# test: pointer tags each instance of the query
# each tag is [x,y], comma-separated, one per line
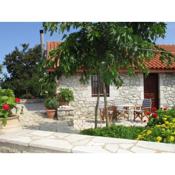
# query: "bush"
[51,103]
[170,112]
[65,95]
[156,118]
[7,103]
[164,132]
[116,131]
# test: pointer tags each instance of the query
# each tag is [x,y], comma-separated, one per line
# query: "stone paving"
[40,134]
[34,117]
[26,140]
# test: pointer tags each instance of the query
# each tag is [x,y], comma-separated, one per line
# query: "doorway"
[151,88]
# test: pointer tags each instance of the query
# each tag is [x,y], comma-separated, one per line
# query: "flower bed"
[160,128]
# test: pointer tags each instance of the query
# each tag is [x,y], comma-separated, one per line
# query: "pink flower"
[17,100]
[148,113]
[154,115]
[5,107]
[153,109]
[165,108]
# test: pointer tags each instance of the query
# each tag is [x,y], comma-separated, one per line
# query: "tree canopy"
[105,48]
[108,47]
[21,65]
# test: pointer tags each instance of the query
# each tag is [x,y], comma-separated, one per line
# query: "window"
[95,83]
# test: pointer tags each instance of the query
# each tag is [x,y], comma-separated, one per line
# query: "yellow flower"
[148,132]
[163,125]
[166,122]
[139,137]
[158,138]
[164,119]
[171,138]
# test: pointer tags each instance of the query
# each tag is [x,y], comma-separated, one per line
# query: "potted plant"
[51,104]
[65,96]
[8,119]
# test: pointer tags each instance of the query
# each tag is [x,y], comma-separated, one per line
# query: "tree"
[21,65]
[106,48]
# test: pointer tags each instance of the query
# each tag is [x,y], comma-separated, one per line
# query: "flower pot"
[51,113]
[13,124]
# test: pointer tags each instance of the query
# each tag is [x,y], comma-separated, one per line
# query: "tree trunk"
[97,105]
[105,105]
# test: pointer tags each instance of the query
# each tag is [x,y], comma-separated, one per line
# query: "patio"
[34,118]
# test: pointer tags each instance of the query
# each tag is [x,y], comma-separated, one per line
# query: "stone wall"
[84,104]
[167,89]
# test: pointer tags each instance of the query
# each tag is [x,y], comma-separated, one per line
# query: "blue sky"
[14,34]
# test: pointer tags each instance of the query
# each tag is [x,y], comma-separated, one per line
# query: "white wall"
[84,104]
[167,89]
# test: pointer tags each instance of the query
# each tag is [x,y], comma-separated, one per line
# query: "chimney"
[42,43]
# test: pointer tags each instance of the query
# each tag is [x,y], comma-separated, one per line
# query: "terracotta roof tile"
[154,64]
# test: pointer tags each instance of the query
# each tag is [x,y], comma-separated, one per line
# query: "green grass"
[116,131]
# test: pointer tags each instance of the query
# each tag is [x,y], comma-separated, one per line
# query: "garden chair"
[122,111]
[111,111]
[139,111]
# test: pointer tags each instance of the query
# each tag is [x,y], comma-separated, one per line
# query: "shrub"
[157,117]
[7,103]
[65,95]
[51,103]
[117,131]
[164,132]
[170,112]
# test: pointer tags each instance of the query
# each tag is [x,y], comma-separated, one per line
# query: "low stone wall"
[84,104]
[44,141]
[167,89]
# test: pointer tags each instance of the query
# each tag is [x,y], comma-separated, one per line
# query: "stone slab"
[44,141]
[53,144]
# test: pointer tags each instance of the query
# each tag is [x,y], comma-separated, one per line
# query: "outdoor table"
[128,107]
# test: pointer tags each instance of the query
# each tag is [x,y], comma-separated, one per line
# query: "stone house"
[159,86]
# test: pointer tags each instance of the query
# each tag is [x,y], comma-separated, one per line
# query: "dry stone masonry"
[167,89]
[84,103]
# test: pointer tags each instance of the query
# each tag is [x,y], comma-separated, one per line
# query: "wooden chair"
[139,111]
[122,111]
[111,111]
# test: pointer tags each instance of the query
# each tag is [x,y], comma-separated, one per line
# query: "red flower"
[154,109]
[148,113]
[154,115]
[17,100]
[5,107]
